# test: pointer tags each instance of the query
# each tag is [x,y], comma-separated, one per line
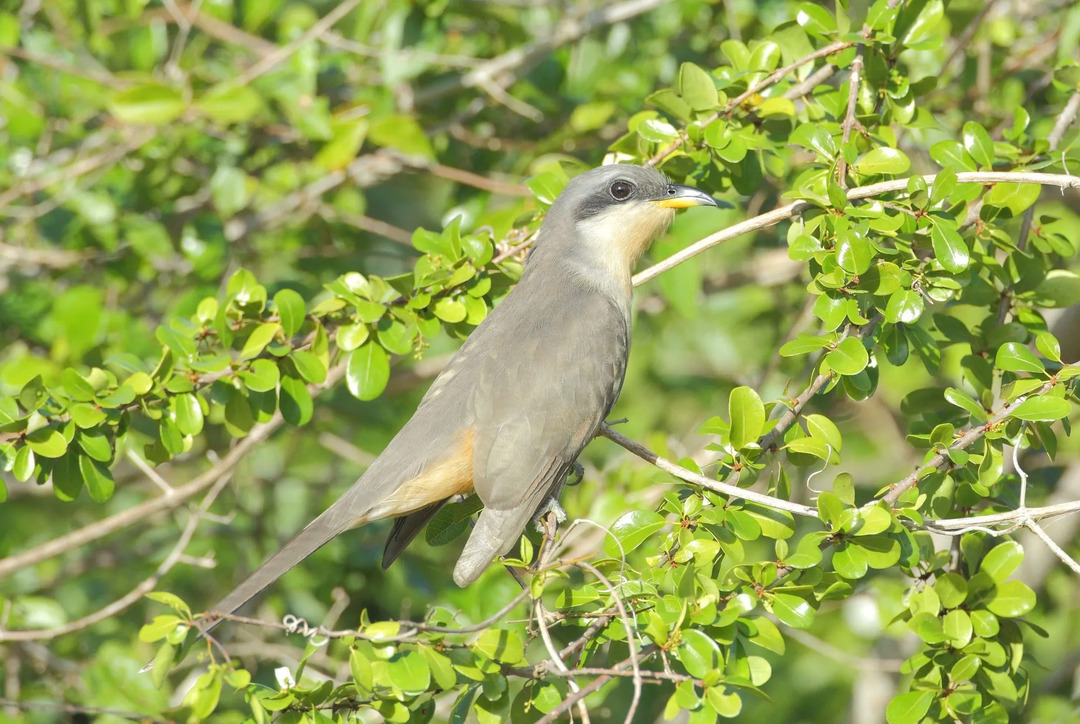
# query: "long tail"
[310,539]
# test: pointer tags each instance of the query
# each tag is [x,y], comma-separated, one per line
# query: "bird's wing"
[541,402]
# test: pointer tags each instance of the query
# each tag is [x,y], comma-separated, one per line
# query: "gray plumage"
[526,392]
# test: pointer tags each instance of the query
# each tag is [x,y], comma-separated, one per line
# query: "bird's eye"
[621,190]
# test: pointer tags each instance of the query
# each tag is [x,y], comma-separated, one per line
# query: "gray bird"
[527,391]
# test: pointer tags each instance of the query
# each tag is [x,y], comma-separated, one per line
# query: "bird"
[528,389]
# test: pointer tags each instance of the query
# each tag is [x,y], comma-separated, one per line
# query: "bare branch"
[280,55]
[941,458]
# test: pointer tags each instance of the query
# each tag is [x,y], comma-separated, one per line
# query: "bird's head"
[611,214]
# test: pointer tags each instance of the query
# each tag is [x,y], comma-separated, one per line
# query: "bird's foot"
[550,508]
[577,474]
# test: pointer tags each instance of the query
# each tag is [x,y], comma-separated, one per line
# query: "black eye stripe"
[621,190]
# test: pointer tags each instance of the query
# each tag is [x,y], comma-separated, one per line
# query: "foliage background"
[156,154]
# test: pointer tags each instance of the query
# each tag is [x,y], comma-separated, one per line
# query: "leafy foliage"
[209,226]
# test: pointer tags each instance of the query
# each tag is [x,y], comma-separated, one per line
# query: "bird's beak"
[683,197]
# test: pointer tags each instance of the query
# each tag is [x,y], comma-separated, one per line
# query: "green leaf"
[1060,288]
[47,442]
[849,357]
[147,103]
[630,531]
[966,402]
[698,653]
[450,310]
[792,610]
[401,133]
[368,371]
[697,88]
[76,386]
[829,509]
[309,366]
[853,253]
[296,404]
[229,190]
[261,376]
[261,336]
[351,336]
[882,160]
[500,645]
[949,247]
[1002,560]
[24,464]
[804,344]
[957,627]
[1043,408]
[188,412]
[951,590]
[1011,599]
[905,307]
[66,477]
[747,415]
[1014,197]
[408,671]
[950,154]
[815,19]
[824,429]
[290,309]
[909,708]
[726,705]
[1048,346]
[98,479]
[944,185]
[1015,357]
[228,102]
[978,144]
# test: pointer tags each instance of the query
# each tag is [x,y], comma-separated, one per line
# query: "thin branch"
[734,103]
[941,458]
[280,55]
[849,116]
[135,594]
[111,155]
[715,485]
[48,61]
[768,440]
[631,636]
[1053,546]
[523,57]
[771,218]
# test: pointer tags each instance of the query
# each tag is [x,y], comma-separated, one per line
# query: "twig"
[734,103]
[849,115]
[631,636]
[768,440]
[134,140]
[941,458]
[771,218]
[715,485]
[280,55]
[135,594]
[524,56]
[366,223]
[53,63]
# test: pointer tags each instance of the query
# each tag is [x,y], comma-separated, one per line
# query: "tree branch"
[771,218]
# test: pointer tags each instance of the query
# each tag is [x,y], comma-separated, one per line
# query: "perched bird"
[527,391]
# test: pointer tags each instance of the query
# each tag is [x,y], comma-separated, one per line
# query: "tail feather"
[309,540]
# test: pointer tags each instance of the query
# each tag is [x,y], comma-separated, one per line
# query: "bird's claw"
[577,474]
[550,505]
